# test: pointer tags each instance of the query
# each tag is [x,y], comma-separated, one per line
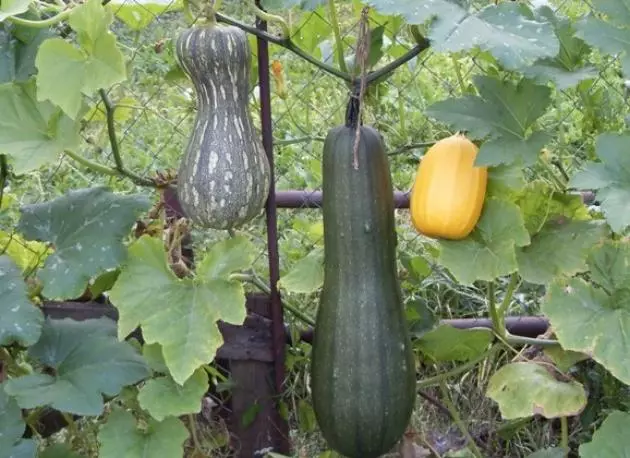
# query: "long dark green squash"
[363,373]
[223,179]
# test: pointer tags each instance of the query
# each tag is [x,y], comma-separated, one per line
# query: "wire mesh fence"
[155,110]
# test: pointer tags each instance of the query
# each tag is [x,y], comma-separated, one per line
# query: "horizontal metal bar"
[313,199]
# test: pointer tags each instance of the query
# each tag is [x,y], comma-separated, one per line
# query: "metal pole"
[278,331]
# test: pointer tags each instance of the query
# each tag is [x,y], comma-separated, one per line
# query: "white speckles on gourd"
[213,160]
[224,174]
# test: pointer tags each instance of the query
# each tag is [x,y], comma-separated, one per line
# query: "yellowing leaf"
[525,389]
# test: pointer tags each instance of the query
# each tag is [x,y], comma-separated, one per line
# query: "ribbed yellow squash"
[448,193]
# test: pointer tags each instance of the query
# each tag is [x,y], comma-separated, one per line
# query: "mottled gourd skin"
[223,179]
[363,377]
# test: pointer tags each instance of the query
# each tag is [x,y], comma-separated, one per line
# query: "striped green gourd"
[363,377]
[224,175]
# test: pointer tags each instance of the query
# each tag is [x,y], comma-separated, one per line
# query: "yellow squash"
[449,190]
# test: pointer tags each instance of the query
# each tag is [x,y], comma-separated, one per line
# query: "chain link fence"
[156,109]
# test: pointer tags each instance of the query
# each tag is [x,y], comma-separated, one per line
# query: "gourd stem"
[43,23]
[353,110]
[334,21]
[271,18]
[111,131]
[256,281]
[458,419]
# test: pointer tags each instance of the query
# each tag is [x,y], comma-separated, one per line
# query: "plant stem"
[4,175]
[96,167]
[193,432]
[564,425]
[257,281]
[43,23]
[519,340]
[508,294]
[334,21]
[458,74]
[498,318]
[437,379]
[384,71]
[290,46]
[405,148]
[557,181]
[72,427]
[111,131]
[285,43]
[292,141]
[458,419]
[271,18]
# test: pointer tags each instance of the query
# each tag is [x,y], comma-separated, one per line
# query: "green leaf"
[181,314]
[541,203]
[306,417]
[567,68]
[86,228]
[96,64]
[607,38]
[307,275]
[140,14]
[446,343]
[59,451]
[525,389]
[312,29]
[591,320]
[610,178]
[611,439]
[505,112]
[489,252]
[559,249]
[119,436]
[10,8]
[7,57]
[153,356]
[21,320]
[564,359]
[84,359]
[555,452]
[33,133]
[508,30]
[163,397]
[513,38]
[12,427]
[504,179]
[24,448]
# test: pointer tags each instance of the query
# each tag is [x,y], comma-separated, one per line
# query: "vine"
[532,235]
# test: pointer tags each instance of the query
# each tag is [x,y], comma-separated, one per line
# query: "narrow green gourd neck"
[353,109]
